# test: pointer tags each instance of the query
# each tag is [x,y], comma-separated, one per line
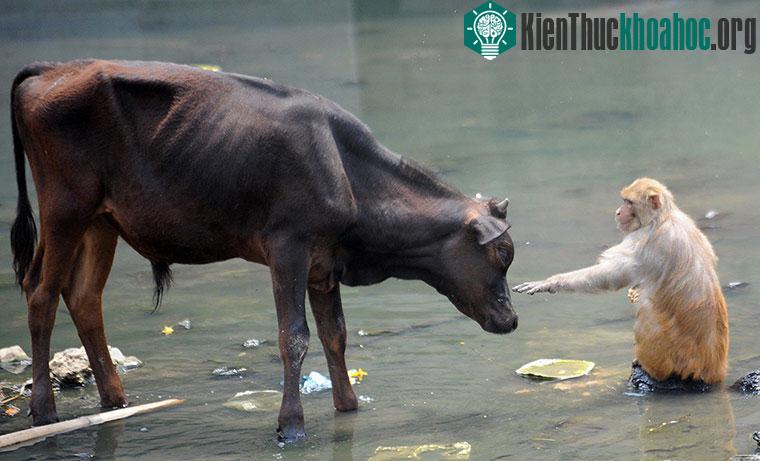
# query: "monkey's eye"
[628,202]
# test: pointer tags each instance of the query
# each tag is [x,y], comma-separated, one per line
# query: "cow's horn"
[502,206]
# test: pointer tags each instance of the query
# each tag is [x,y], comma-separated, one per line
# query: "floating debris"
[456,451]
[366,399]
[228,371]
[711,214]
[9,409]
[209,67]
[167,330]
[315,382]
[356,376]
[186,324]
[736,285]
[255,401]
[373,332]
[253,342]
[555,369]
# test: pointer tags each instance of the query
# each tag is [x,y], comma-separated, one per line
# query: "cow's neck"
[405,216]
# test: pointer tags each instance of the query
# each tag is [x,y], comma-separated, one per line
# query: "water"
[559,133]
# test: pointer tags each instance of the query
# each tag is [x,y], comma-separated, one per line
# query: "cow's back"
[166,145]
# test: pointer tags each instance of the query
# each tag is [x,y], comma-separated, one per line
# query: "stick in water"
[41,432]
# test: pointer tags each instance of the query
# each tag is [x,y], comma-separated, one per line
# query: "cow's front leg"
[328,312]
[289,267]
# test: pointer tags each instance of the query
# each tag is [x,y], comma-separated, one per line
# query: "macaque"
[681,326]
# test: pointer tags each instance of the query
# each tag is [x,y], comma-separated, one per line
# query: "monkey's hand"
[633,295]
[548,286]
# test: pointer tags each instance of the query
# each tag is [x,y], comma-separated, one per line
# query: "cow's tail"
[24,230]
[162,276]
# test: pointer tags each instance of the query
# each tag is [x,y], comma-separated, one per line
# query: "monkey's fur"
[681,327]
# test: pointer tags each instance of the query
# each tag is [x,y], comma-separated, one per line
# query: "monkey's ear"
[654,201]
[487,228]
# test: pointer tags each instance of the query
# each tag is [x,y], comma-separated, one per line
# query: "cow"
[192,166]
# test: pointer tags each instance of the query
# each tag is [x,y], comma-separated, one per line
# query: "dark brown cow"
[190,166]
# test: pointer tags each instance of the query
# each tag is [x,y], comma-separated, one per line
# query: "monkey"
[681,323]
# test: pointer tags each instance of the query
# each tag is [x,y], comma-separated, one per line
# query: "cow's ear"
[487,228]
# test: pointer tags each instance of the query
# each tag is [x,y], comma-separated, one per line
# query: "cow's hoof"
[346,403]
[291,435]
[748,384]
[118,402]
[43,420]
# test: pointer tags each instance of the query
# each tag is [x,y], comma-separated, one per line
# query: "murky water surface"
[559,133]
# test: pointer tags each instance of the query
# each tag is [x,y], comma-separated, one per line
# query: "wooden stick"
[40,432]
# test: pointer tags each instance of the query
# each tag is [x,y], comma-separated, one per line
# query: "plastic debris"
[356,376]
[555,369]
[255,401]
[373,332]
[736,285]
[711,214]
[186,324]
[229,371]
[253,342]
[10,409]
[458,451]
[366,399]
[167,330]
[315,382]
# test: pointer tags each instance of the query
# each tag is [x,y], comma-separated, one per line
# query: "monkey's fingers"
[528,287]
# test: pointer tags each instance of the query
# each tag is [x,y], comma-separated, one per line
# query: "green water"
[559,133]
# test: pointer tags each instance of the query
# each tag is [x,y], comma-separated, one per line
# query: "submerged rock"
[458,451]
[255,401]
[748,384]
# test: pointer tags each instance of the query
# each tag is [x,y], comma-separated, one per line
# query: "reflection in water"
[675,426]
[107,440]
[343,436]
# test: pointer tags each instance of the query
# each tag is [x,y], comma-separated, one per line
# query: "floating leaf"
[167,330]
[211,67]
[555,369]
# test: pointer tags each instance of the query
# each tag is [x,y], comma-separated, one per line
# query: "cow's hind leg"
[328,313]
[60,238]
[83,297]
[289,267]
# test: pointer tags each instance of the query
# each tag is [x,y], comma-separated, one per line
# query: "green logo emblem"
[490,30]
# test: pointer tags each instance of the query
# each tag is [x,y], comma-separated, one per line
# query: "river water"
[559,133]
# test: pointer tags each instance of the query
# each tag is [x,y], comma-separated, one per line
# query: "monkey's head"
[643,201]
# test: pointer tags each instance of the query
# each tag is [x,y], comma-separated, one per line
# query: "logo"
[490,30]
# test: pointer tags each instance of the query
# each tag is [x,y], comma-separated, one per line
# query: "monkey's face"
[626,218]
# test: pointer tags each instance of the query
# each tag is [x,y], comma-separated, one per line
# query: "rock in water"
[70,368]
[641,382]
[749,383]
[13,354]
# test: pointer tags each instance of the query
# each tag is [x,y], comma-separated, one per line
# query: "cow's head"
[472,267]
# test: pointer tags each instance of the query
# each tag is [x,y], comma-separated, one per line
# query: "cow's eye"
[504,255]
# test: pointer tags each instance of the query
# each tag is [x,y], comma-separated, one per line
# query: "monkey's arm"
[612,272]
